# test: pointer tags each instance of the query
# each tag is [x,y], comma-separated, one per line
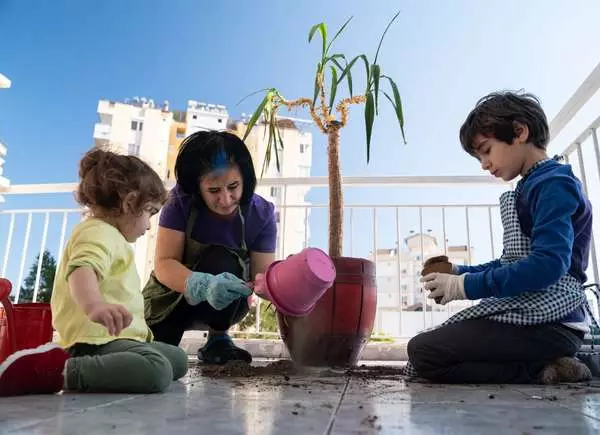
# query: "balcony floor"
[310,404]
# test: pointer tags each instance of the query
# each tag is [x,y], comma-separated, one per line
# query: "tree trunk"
[336,200]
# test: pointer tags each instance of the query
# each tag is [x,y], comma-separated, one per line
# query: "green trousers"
[124,366]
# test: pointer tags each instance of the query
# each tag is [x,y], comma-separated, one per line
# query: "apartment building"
[137,126]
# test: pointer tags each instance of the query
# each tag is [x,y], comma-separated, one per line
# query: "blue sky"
[65,55]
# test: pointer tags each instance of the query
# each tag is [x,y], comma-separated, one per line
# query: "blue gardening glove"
[218,290]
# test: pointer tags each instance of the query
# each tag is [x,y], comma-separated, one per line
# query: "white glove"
[446,286]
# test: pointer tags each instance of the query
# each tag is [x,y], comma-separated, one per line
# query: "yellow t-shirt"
[101,247]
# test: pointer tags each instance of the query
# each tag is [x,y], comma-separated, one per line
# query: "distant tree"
[47,275]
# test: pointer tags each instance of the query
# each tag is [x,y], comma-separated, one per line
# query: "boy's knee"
[412,347]
[420,351]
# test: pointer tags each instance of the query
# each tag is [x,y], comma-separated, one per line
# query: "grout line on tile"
[329,427]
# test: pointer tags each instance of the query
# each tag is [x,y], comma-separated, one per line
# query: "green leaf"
[382,36]
[338,34]
[317,83]
[323,29]
[334,57]
[351,64]
[350,82]
[280,141]
[334,83]
[375,74]
[273,130]
[336,62]
[273,136]
[257,113]
[397,103]
[369,118]
[267,159]
[343,68]
[252,93]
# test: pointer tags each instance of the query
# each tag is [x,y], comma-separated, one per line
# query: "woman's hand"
[218,290]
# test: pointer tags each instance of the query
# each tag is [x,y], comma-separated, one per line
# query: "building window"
[134,150]
[180,133]
[134,125]
[194,116]
[277,216]
[274,192]
[303,148]
[141,125]
[219,120]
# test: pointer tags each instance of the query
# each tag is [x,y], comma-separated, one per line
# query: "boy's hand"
[113,317]
[438,264]
[445,286]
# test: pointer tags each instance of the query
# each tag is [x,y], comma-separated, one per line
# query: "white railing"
[370,228]
[373,230]
[584,155]
[378,230]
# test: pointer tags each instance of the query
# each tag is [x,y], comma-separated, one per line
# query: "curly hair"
[496,115]
[106,178]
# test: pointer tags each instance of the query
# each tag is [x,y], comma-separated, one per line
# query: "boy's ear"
[521,133]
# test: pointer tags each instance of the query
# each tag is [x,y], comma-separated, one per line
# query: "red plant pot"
[337,329]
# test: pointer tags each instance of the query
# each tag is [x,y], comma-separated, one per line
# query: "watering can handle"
[5,289]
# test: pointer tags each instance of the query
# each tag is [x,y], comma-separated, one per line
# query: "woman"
[214,234]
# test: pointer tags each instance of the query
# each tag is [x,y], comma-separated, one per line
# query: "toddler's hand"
[113,316]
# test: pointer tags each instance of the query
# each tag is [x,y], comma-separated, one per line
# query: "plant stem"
[336,200]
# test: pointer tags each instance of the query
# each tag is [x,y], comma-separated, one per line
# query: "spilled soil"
[286,368]
[392,373]
[241,369]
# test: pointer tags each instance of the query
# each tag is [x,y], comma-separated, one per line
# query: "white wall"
[202,116]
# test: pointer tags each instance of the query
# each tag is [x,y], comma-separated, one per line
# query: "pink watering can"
[294,285]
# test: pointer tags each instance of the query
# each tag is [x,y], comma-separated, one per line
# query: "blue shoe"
[220,349]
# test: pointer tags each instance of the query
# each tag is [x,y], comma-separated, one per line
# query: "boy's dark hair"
[106,178]
[204,151]
[495,116]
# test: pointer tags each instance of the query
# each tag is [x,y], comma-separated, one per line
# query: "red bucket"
[22,326]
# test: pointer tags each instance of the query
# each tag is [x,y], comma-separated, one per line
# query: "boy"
[531,319]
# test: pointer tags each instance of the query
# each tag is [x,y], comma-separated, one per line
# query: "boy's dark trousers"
[484,351]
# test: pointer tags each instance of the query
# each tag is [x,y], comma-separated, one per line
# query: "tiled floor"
[310,404]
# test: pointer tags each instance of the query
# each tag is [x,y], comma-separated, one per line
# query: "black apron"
[160,301]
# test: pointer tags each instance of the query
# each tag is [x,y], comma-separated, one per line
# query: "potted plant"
[340,325]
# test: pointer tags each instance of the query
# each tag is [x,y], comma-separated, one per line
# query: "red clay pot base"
[340,325]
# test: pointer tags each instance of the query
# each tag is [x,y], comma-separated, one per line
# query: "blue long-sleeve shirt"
[555,213]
